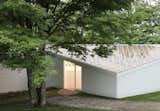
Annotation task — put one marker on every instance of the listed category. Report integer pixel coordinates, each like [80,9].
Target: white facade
[12,81]
[141,80]
[99,82]
[16,80]
[135,80]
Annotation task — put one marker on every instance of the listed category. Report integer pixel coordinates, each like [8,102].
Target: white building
[129,71]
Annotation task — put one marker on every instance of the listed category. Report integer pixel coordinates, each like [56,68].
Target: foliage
[27,26]
[41,69]
[21,49]
[140,25]
[143,24]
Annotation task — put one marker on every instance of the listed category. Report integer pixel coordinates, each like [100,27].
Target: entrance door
[78,77]
[72,76]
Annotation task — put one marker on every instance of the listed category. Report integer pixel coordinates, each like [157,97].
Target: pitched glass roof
[125,57]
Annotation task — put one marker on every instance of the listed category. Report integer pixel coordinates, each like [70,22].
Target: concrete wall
[98,82]
[141,80]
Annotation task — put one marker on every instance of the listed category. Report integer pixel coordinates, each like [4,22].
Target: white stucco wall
[16,80]
[12,81]
[98,82]
[56,80]
[141,80]
[94,80]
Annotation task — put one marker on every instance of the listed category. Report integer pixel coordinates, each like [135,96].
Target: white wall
[12,81]
[98,82]
[94,80]
[141,80]
[56,80]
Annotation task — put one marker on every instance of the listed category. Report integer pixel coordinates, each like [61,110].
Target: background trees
[143,23]
[27,26]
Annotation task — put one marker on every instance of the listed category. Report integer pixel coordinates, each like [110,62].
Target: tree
[28,26]
[143,23]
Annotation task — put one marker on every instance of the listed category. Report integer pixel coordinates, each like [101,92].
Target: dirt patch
[66,92]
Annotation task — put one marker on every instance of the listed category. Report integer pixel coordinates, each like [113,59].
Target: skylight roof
[125,57]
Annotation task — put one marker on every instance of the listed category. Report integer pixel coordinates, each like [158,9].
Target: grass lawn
[22,96]
[151,97]
[21,107]
[48,108]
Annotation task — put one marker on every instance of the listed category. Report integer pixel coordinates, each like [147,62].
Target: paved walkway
[98,103]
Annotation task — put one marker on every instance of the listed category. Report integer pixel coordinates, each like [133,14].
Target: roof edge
[125,72]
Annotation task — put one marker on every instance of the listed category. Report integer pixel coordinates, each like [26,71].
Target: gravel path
[98,103]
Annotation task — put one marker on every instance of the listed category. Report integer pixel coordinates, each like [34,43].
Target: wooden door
[69,75]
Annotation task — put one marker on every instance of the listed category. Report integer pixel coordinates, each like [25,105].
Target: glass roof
[125,57]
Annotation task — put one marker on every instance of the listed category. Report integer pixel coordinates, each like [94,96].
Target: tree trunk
[37,95]
[41,94]
[31,88]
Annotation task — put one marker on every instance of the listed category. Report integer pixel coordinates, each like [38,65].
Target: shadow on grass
[24,107]
[19,97]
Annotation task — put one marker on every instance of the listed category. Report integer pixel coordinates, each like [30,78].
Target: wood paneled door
[72,76]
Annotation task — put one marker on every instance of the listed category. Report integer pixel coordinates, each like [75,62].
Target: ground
[83,102]
[48,108]
[104,104]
